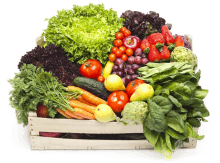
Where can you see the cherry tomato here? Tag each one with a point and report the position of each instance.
(118, 54)
(119, 35)
(114, 49)
(92, 68)
(129, 52)
(101, 78)
(132, 86)
(123, 29)
(117, 100)
(123, 49)
(124, 57)
(112, 57)
(117, 43)
(127, 33)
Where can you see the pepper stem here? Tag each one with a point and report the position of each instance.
(159, 47)
(171, 47)
(146, 50)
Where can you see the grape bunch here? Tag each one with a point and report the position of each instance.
(128, 70)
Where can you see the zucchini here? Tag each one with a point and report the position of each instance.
(93, 86)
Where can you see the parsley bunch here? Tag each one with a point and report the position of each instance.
(33, 86)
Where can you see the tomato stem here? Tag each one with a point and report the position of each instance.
(87, 64)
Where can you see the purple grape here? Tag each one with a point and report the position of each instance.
(137, 59)
(119, 73)
(125, 70)
(143, 56)
(131, 72)
(131, 60)
(124, 82)
(128, 67)
(121, 67)
(128, 78)
(135, 67)
(138, 52)
(115, 68)
(133, 77)
(119, 61)
(144, 61)
(114, 72)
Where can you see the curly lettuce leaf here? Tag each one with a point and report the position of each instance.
(85, 32)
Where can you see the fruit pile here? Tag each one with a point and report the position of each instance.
(127, 55)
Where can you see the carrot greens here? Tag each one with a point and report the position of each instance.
(33, 86)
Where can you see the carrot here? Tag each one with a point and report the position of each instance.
(81, 99)
(78, 104)
(63, 113)
(71, 114)
(83, 113)
(88, 96)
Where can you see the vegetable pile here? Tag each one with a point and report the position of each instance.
(94, 65)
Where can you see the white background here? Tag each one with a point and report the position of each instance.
(22, 21)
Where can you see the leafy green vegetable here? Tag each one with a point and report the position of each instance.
(84, 32)
(33, 86)
(156, 118)
(175, 108)
(175, 121)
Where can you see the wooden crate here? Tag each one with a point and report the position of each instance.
(36, 124)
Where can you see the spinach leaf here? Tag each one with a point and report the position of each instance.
(200, 93)
(164, 103)
(175, 134)
(155, 119)
(151, 135)
(175, 101)
(193, 122)
(175, 121)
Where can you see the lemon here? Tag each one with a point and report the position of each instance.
(142, 92)
(104, 113)
(114, 83)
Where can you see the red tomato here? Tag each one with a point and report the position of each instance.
(127, 33)
(112, 57)
(101, 78)
(117, 100)
(132, 86)
(92, 68)
(117, 43)
(119, 36)
(129, 52)
(123, 49)
(114, 49)
(118, 54)
(122, 29)
(124, 57)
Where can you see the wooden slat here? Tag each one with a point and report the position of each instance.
(62, 143)
(46, 143)
(79, 126)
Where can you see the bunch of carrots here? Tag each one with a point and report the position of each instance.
(83, 106)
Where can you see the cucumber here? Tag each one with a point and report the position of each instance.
(93, 86)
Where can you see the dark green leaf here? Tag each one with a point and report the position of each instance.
(151, 135)
(175, 121)
(194, 122)
(175, 134)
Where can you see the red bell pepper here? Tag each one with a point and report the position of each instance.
(178, 41)
(165, 53)
(145, 46)
(157, 39)
(167, 35)
(154, 54)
